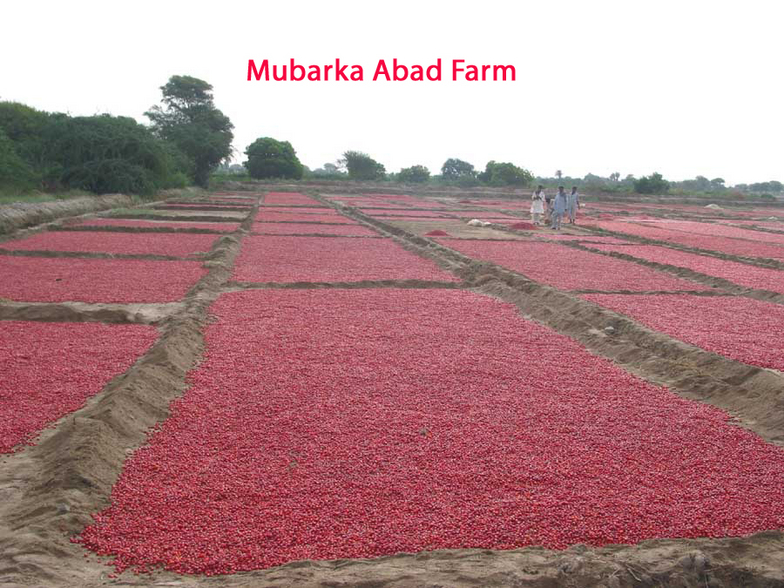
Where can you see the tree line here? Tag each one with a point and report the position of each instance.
(188, 139)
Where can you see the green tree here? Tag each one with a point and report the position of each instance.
(269, 158)
(505, 174)
(15, 173)
(361, 166)
(190, 120)
(652, 184)
(456, 169)
(415, 173)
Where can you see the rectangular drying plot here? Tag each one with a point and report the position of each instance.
(306, 216)
(739, 328)
(42, 279)
(742, 274)
(353, 230)
(570, 269)
(290, 198)
(316, 259)
(48, 370)
(720, 244)
(180, 244)
(360, 423)
(148, 224)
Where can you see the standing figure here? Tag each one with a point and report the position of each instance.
(572, 204)
(537, 205)
(559, 207)
(548, 208)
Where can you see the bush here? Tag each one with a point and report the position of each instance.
(457, 169)
(505, 174)
(652, 184)
(269, 158)
(361, 166)
(415, 173)
(15, 173)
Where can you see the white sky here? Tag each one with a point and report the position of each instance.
(680, 87)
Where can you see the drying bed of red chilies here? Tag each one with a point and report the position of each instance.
(360, 423)
(731, 246)
(48, 370)
(721, 230)
(126, 222)
(330, 259)
(417, 213)
(42, 279)
(175, 244)
(352, 230)
(290, 198)
(735, 327)
(302, 217)
(739, 273)
(569, 269)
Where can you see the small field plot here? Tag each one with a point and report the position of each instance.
(353, 230)
(739, 328)
(48, 370)
(315, 259)
(570, 269)
(123, 222)
(292, 215)
(181, 244)
(344, 430)
(292, 198)
(739, 273)
(730, 246)
(41, 279)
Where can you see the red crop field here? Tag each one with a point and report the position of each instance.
(720, 230)
(123, 222)
(295, 210)
(290, 198)
(353, 230)
(180, 244)
(727, 245)
(41, 279)
(730, 326)
(417, 213)
(740, 273)
(48, 370)
(314, 259)
(569, 269)
(333, 436)
(280, 217)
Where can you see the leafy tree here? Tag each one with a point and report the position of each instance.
(653, 184)
(505, 174)
(361, 166)
(415, 173)
(456, 169)
(15, 173)
(558, 174)
(615, 177)
(190, 120)
(269, 158)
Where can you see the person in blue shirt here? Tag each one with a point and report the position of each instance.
(559, 208)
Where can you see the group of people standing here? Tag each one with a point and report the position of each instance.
(553, 208)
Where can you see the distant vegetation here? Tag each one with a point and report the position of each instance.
(269, 158)
(189, 141)
(52, 153)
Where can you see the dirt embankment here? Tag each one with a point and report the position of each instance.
(20, 215)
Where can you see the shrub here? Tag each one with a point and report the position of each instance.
(652, 184)
(415, 173)
(361, 166)
(505, 174)
(269, 158)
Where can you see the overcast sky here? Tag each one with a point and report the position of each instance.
(683, 87)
